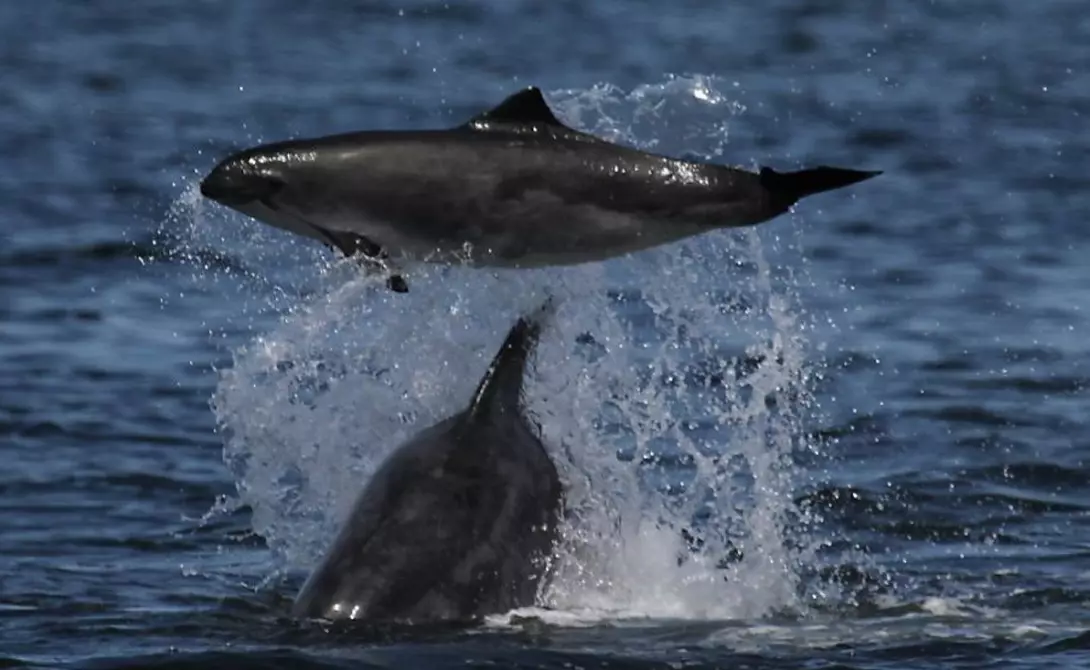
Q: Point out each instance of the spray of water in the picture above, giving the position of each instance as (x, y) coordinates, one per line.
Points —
(670, 389)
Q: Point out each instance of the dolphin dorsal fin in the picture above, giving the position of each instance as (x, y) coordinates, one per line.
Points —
(500, 390)
(525, 108)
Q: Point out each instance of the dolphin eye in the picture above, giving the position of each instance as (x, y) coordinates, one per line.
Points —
(273, 186)
(276, 185)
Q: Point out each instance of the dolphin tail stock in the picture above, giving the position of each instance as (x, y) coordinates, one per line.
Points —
(794, 186)
(500, 390)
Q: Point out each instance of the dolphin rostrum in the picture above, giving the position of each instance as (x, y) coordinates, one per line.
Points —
(512, 187)
(459, 522)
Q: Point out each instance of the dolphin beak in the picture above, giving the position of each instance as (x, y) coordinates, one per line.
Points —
(232, 183)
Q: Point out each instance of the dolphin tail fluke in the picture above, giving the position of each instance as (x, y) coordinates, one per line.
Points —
(501, 388)
(793, 186)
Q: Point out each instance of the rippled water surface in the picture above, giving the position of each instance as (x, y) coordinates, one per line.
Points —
(852, 437)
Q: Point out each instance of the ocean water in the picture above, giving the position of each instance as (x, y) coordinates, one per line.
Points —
(853, 437)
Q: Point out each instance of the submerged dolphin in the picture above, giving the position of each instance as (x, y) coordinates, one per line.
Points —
(459, 522)
(511, 187)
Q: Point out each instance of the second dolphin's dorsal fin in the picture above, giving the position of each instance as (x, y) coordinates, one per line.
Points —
(525, 108)
(500, 389)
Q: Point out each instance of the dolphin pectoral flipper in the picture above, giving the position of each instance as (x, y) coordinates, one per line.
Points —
(352, 245)
(397, 283)
(500, 390)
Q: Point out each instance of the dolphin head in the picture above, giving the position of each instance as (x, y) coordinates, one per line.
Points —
(244, 179)
(276, 184)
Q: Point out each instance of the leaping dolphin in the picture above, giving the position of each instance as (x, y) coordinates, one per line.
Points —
(459, 522)
(512, 187)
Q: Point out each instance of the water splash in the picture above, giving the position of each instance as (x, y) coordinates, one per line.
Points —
(671, 390)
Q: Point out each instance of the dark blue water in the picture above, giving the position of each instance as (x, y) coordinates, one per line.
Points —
(867, 416)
